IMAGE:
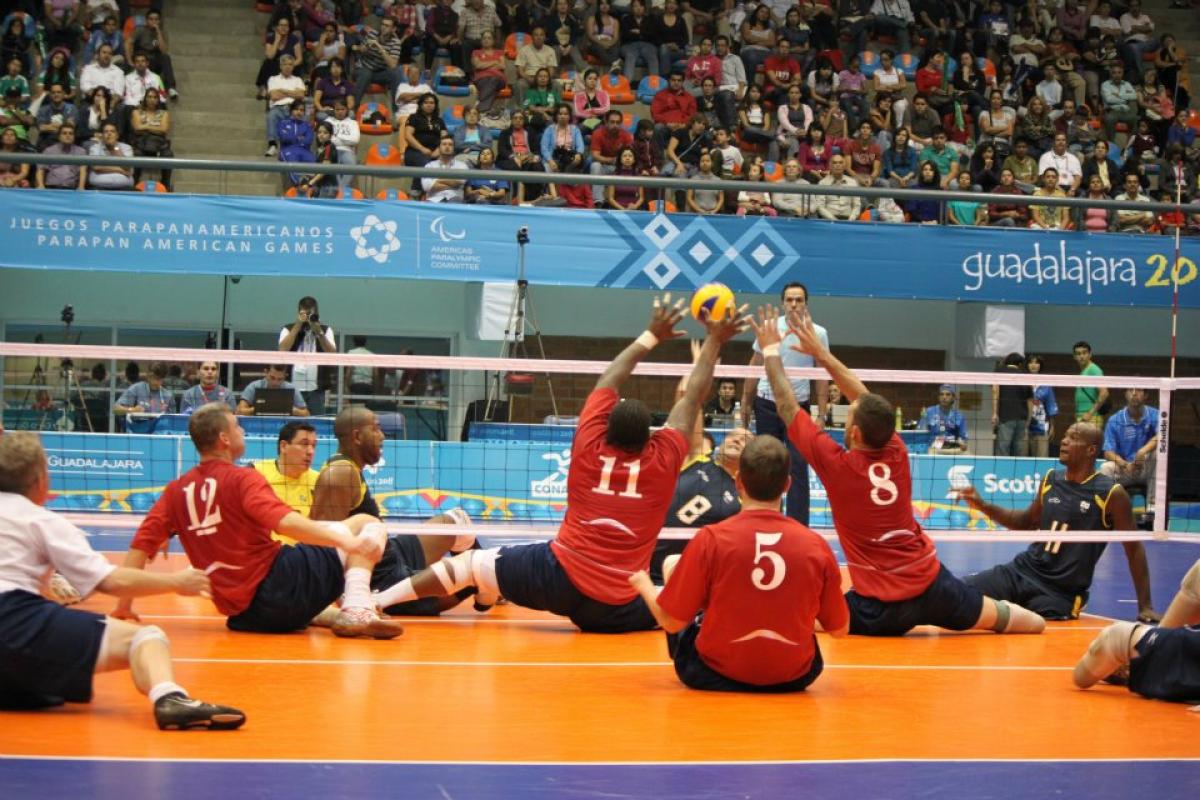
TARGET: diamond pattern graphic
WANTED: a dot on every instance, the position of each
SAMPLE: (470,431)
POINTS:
(662,270)
(763,255)
(661,231)
(700,252)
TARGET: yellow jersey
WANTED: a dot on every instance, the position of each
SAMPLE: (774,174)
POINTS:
(297,493)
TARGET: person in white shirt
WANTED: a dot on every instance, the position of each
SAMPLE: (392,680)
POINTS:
(308,335)
(345,138)
(1026,48)
(282,89)
(1139,35)
(109,144)
(102,72)
(733,83)
(408,93)
(1049,89)
(1070,171)
(48,653)
(444,190)
(140,80)
(1128,220)
(832,206)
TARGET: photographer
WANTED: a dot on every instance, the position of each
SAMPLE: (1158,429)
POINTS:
(307,335)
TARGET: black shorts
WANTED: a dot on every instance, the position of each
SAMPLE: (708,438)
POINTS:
(694,673)
(402,558)
(302,583)
(530,576)
(1168,665)
(662,549)
(947,603)
(47,652)
(1006,582)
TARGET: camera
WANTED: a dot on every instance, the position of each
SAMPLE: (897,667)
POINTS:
(67,315)
(523,234)
(314,317)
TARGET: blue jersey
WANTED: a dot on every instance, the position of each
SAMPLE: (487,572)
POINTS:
(1124,436)
(705,495)
(1067,567)
(1045,406)
(950,425)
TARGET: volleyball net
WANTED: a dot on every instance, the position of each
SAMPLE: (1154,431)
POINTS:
(493,436)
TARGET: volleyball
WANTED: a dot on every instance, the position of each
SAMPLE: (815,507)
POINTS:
(716,299)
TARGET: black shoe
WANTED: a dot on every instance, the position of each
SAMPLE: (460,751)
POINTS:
(178,712)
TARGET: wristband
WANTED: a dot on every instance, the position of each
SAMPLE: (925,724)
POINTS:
(647,340)
(770,350)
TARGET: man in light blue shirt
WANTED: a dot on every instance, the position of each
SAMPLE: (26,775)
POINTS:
(757,396)
(275,378)
(207,391)
(148,396)
(1130,441)
(946,425)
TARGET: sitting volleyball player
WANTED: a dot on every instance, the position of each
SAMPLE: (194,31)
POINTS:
(224,515)
(342,491)
(1163,662)
(739,605)
(48,654)
(619,487)
(898,581)
(1053,578)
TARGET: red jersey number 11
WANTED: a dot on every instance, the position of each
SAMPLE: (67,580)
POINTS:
(610,462)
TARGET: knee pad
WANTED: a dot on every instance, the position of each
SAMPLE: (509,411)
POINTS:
(483,570)
(376,531)
(147,634)
(454,573)
(1189,587)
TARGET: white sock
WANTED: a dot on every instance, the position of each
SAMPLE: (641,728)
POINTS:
(358,588)
(401,592)
(161,690)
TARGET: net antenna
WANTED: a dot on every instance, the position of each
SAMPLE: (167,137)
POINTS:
(521,323)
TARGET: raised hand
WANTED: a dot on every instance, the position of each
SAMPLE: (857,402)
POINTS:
(969,496)
(728,326)
(801,324)
(766,328)
(665,316)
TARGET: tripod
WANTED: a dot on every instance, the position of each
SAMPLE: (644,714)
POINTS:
(520,316)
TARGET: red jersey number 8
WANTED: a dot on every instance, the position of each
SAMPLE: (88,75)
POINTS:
(884,492)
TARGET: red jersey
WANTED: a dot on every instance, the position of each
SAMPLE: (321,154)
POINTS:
(616,502)
(870,493)
(780,71)
(761,579)
(223,515)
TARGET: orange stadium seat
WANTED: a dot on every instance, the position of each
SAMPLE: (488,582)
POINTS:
(383,155)
(772,171)
(354,194)
(513,43)
(152,187)
(391,194)
(374,119)
(619,91)
(655,205)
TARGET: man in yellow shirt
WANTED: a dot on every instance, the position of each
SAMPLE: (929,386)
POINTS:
(290,473)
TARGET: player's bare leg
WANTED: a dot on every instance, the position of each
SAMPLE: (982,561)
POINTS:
(358,617)
(1185,608)
(145,651)
(1109,652)
(446,577)
(1002,616)
(669,565)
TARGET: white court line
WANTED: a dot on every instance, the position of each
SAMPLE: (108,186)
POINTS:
(322,662)
(698,763)
(486,621)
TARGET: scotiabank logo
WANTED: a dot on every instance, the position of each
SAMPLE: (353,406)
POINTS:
(959,478)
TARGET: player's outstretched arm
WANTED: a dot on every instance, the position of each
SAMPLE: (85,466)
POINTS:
(687,408)
(649,592)
(812,344)
(766,333)
(127,582)
(663,319)
(1026,519)
(135,559)
(1120,516)
(342,535)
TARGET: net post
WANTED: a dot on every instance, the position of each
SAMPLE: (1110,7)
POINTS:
(1162,456)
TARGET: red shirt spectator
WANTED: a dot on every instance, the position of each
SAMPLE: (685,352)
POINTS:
(673,105)
(701,66)
(761,579)
(781,71)
(607,142)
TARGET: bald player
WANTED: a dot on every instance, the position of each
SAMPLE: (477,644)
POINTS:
(1053,578)
(619,488)
(899,582)
(1163,662)
(341,492)
(740,605)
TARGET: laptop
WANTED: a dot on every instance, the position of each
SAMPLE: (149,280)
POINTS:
(274,402)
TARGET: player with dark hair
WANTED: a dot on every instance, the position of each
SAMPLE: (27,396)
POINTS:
(619,488)
(898,581)
(49,654)
(739,606)
(1163,662)
(290,473)
(1053,578)
(342,491)
(224,515)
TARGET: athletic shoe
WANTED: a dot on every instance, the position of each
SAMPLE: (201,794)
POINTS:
(326,618)
(178,712)
(272,150)
(354,623)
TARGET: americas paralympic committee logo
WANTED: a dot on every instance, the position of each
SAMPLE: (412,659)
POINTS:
(438,227)
(366,239)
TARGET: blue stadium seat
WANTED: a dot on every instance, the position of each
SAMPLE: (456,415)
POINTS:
(451,81)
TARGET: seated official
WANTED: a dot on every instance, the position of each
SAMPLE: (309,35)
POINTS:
(275,378)
(148,396)
(207,390)
(290,473)
(946,425)
(1130,440)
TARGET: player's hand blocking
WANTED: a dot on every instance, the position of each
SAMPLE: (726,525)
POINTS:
(766,328)
(665,316)
(727,327)
(969,496)
(190,582)
(801,324)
